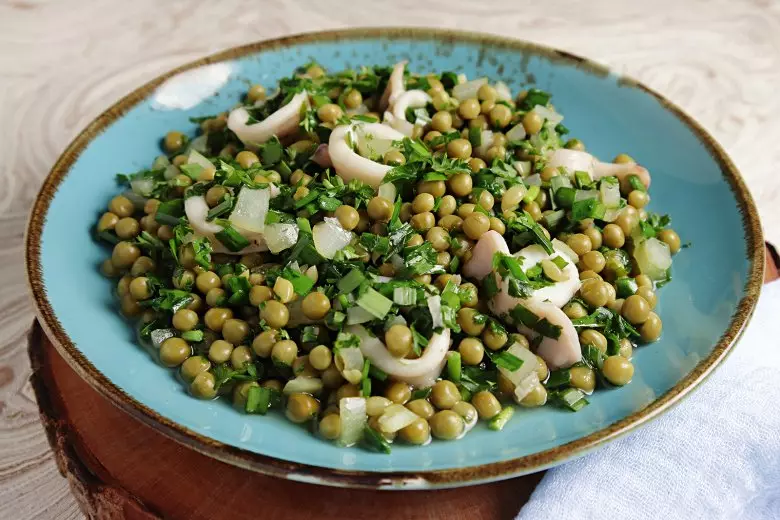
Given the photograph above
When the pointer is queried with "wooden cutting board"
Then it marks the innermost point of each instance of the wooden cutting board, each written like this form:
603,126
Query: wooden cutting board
120,468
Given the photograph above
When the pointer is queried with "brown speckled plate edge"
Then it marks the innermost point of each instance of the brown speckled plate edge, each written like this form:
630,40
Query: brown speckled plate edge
388,480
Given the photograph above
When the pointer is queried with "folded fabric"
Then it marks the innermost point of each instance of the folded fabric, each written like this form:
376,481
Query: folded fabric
715,455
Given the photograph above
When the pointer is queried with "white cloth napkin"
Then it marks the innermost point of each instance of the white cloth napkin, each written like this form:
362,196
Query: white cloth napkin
716,455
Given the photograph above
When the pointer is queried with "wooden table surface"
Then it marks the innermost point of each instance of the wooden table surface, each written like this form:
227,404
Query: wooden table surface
62,63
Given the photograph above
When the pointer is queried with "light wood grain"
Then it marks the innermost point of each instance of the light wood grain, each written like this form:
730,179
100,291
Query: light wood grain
62,63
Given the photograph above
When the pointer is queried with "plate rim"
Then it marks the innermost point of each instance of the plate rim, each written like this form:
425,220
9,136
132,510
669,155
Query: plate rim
423,479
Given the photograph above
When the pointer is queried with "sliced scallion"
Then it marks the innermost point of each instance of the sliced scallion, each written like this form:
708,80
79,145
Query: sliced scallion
498,422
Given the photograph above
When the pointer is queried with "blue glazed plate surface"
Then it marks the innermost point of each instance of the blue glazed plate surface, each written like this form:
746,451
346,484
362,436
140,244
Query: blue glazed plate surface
716,281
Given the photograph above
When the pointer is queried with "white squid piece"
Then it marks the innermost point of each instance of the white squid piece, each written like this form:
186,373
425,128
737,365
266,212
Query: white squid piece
395,86
481,262
197,209
562,352
351,165
409,99
281,123
544,302
574,160
557,353
421,372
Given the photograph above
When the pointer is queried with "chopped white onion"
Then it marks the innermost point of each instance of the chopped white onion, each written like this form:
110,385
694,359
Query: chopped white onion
534,180
352,412
653,258
330,237
306,385
171,171
357,315
502,89
463,91
610,194
279,237
525,387
142,186
157,336
200,144
611,214
434,307
486,141
395,418
197,158
522,167
251,209
516,133
349,362
387,191
551,116
160,162
585,195
530,364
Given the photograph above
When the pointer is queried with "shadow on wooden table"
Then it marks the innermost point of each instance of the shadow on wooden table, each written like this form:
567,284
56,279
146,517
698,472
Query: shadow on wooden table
120,468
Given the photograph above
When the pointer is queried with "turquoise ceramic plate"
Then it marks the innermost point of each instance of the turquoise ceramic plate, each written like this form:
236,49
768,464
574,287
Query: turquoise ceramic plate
716,282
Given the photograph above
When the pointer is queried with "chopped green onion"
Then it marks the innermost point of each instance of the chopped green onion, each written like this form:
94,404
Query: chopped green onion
304,225
506,360
581,179
365,380
625,287
475,136
559,378
454,367
553,218
377,373
192,170
571,398
547,329
498,422
193,336
560,262
107,236
564,196
421,393
301,283
404,296
522,314
220,209
376,440
169,212
232,239
310,197
532,193
373,302
351,281
587,208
